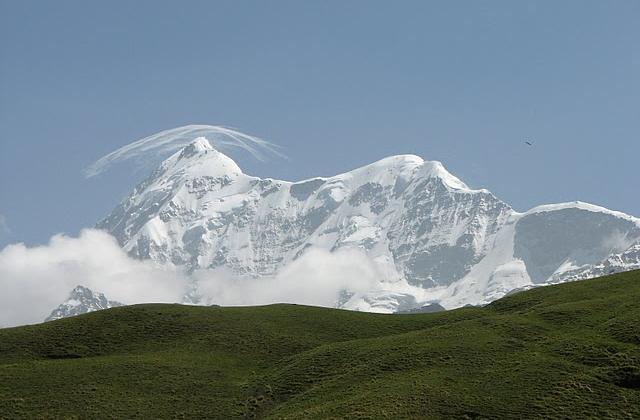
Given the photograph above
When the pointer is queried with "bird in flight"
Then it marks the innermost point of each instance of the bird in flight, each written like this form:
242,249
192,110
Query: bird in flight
528,143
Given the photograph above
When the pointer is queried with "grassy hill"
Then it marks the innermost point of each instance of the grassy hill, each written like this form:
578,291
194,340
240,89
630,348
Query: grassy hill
568,351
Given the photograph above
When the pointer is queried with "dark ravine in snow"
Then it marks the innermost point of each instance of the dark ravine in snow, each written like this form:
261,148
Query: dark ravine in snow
432,238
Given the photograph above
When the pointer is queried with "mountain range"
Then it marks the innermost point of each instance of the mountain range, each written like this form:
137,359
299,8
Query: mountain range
432,239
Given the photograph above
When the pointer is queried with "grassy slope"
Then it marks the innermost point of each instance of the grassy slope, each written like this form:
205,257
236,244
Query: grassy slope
571,350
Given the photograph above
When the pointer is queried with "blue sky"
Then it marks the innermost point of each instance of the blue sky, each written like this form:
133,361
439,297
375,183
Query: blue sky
337,84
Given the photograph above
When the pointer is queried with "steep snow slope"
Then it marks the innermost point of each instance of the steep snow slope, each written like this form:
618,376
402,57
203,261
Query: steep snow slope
433,238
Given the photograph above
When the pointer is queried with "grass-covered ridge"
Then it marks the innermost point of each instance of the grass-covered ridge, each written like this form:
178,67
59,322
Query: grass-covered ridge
571,350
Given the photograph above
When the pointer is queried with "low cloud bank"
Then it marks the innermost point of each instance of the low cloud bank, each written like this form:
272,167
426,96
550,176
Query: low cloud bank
35,280
316,278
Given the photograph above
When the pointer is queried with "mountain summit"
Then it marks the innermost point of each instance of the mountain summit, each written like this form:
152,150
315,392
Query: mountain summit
432,238
81,301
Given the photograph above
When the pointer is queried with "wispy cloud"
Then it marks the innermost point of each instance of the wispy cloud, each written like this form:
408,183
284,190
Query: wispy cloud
158,146
5,230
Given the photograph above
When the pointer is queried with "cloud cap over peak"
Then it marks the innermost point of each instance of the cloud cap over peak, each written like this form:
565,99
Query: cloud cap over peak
164,143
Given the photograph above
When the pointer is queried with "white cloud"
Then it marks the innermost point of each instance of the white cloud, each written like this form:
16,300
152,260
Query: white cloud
316,278
34,281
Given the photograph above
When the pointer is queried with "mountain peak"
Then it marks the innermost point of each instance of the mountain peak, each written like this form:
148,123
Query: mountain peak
198,158
81,300
197,146
436,169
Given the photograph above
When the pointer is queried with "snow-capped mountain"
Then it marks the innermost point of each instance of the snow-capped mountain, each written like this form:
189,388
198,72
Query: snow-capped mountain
432,238
81,300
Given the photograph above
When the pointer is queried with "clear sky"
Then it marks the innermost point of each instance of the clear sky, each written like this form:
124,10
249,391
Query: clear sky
337,84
